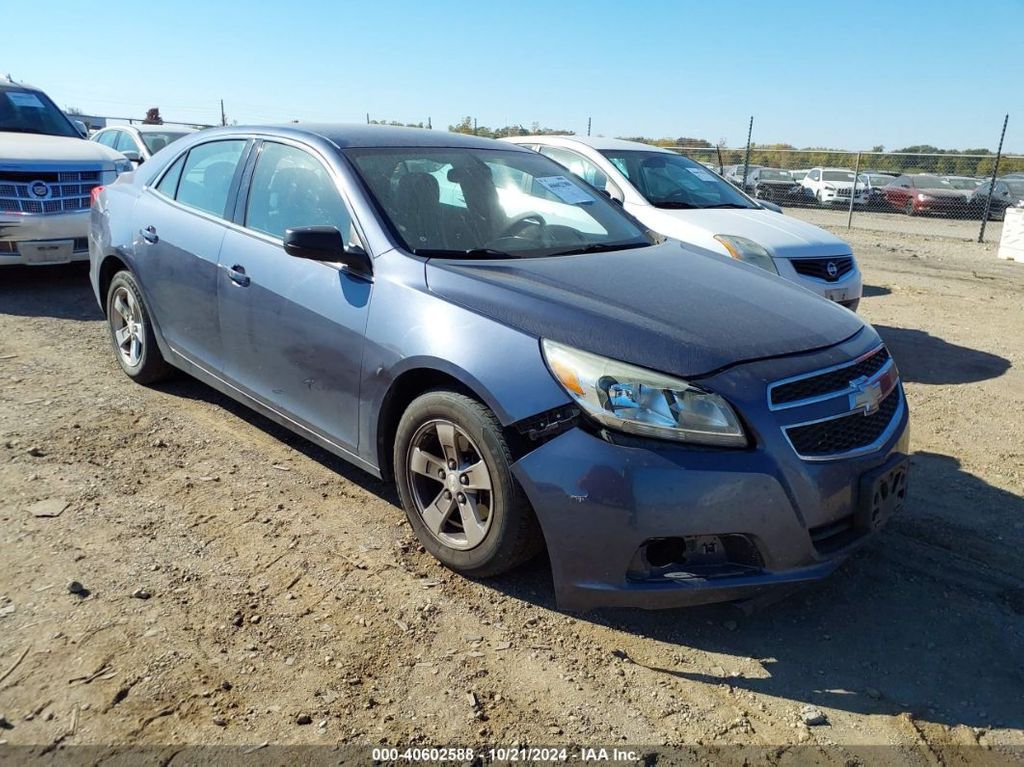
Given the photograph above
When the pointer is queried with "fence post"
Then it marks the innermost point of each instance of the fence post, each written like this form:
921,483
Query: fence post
853,192
746,157
992,183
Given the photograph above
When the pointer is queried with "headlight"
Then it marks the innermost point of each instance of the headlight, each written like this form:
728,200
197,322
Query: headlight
922,197
123,166
830,187
632,399
748,251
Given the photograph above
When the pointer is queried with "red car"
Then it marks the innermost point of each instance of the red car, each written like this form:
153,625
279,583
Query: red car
924,193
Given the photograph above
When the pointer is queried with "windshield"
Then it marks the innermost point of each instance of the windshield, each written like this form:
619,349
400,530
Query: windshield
798,174
878,179
930,182
157,140
770,174
454,201
1016,187
27,111
671,181
962,183
837,175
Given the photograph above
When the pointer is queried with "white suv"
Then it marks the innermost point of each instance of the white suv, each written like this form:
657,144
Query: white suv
47,174
831,186
680,198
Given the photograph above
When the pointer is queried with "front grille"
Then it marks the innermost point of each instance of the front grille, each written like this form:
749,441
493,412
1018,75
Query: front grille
833,381
67,191
846,433
818,267
842,192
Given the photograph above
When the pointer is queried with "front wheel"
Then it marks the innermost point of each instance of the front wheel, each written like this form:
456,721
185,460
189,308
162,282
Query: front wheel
131,331
453,471
909,208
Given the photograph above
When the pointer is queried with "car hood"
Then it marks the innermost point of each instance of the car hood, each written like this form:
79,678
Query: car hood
782,236
663,307
21,148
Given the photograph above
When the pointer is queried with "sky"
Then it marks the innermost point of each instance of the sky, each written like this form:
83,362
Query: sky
844,75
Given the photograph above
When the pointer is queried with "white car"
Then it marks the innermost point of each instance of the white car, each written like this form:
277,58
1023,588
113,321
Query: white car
48,173
680,198
139,142
831,186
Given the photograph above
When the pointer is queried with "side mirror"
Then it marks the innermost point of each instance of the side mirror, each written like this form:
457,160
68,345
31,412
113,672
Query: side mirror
133,155
81,128
324,243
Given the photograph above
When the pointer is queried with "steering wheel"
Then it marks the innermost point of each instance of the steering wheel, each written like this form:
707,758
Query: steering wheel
513,229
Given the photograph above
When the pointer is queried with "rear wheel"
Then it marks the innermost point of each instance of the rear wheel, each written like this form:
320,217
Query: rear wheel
453,471
131,331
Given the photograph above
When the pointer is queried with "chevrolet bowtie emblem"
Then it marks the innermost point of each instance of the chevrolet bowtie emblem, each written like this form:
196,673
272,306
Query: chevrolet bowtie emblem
866,396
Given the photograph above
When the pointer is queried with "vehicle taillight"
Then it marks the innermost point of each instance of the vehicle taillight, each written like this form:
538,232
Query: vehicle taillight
94,194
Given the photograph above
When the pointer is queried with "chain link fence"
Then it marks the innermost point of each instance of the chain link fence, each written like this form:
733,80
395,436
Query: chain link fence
935,193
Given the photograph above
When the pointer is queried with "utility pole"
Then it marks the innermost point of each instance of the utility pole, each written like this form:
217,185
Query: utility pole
588,126
367,118
429,125
223,117
474,126
992,183
746,157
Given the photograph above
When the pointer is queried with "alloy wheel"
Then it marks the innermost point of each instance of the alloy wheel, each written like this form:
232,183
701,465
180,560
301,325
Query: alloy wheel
451,484
126,323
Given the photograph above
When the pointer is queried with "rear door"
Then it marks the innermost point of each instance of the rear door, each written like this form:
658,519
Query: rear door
179,226
293,328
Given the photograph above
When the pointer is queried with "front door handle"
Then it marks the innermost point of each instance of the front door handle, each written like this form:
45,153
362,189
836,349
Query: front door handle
149,234
238,276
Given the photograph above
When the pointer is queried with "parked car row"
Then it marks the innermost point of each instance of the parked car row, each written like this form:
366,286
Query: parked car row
589,346
913,194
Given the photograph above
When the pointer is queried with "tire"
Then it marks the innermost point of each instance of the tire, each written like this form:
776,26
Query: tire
136,350
909,208
817,196
483,547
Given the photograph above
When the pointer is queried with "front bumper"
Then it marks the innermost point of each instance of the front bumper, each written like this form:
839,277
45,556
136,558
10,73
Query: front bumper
600,503
846,290
39,239
833,197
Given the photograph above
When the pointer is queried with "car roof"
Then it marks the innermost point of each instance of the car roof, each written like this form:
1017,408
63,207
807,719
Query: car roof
6,81
358,135
594,142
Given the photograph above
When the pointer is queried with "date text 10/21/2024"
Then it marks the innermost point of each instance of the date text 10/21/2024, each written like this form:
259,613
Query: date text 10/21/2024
505,754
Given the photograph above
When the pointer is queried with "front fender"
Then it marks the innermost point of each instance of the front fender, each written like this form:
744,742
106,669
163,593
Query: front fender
409,328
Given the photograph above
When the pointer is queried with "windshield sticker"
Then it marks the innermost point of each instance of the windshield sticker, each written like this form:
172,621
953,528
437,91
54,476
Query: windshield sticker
21,100
565,190
702,174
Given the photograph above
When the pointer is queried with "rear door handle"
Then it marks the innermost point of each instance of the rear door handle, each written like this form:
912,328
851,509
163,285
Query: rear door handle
149,234
238,276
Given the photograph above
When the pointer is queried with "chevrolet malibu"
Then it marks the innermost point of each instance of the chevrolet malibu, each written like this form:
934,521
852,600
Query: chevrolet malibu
531,366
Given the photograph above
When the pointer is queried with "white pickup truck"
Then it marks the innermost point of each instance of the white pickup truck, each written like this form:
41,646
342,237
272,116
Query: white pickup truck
47,174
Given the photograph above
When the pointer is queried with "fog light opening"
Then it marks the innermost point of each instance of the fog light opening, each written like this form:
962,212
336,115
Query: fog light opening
666,551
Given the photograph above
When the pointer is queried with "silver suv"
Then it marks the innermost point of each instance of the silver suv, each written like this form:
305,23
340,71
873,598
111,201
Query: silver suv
47,175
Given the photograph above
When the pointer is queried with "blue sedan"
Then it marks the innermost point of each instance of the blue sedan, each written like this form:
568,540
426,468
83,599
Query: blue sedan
532,367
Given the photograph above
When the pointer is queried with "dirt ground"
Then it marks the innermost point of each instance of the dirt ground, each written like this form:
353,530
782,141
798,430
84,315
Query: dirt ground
288,602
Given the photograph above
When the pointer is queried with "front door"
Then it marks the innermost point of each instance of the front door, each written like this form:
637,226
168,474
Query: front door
293,328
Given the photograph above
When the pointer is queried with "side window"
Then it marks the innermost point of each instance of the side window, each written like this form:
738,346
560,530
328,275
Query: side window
815,175
577,164
107,138
125,142
169,183
207,174
291,188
